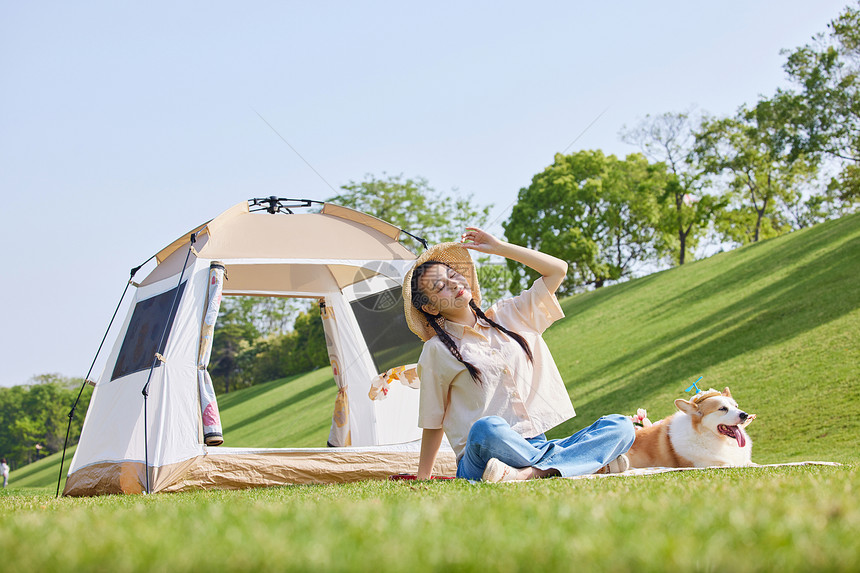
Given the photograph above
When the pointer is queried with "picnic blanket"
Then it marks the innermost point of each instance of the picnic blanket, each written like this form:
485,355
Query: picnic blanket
652,471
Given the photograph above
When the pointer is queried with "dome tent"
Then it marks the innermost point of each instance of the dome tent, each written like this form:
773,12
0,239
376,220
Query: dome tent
153,422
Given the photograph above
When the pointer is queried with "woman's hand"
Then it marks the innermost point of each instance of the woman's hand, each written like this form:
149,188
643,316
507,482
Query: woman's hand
552,270
478,240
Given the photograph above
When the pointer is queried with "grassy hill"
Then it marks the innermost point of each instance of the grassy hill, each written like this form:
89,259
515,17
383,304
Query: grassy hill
778,322
292,412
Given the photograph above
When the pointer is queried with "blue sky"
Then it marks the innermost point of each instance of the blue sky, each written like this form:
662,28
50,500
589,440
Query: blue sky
123,125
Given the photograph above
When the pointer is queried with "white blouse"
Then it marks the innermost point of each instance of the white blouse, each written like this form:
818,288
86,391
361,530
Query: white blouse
532,398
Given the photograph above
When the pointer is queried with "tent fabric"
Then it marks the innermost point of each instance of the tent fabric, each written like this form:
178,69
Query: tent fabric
383,227
339,233
339,434
204,229
210,417
328,256
241,468
113,429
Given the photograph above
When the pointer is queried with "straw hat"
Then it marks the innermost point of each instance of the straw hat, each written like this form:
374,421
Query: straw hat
456,257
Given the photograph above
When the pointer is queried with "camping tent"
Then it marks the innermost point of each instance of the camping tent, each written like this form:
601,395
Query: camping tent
153,422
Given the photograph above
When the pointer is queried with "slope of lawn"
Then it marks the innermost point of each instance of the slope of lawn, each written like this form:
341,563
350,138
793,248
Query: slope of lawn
291,412
43,473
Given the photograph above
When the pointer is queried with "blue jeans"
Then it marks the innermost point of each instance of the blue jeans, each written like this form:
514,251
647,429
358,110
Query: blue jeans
583,453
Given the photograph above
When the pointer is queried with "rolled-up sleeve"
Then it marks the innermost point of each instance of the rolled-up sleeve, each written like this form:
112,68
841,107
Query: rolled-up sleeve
536,308
434,383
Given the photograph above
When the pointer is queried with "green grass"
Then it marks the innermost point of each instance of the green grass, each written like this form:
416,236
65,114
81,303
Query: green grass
291,412
784,519
43,473
778,322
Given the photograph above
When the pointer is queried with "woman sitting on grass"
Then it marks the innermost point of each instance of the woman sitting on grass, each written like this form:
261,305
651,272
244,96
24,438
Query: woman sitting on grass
488,381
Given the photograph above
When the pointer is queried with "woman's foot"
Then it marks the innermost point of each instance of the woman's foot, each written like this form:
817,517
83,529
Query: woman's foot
617,466
498,471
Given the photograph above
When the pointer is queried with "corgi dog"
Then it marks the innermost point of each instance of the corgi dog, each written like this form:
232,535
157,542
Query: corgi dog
707,431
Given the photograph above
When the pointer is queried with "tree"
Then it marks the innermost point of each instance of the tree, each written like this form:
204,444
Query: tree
414,206
494,278
765,171
598,213
243,322
685,207
229,341
34,417
280,355
11,412
310,349
826,114
827,71
269,314
259,316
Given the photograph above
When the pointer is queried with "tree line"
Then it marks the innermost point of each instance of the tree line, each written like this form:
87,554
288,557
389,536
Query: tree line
787,161
34,417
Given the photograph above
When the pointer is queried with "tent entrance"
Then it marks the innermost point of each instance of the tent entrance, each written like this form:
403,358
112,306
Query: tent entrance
365,334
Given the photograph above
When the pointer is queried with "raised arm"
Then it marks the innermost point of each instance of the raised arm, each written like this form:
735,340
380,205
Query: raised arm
551,268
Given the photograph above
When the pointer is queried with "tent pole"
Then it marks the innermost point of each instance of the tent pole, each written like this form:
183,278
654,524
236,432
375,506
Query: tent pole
421,240
155,360
87,377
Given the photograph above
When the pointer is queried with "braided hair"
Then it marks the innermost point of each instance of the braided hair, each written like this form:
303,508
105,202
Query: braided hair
520,340
419,299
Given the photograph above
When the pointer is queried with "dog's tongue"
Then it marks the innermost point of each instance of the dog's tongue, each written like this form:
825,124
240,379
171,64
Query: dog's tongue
740,437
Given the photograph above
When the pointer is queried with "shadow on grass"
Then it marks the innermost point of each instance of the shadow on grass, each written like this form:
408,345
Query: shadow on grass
241,395
586,302
29,470
278,408
756,261
821,287
312,430
43,473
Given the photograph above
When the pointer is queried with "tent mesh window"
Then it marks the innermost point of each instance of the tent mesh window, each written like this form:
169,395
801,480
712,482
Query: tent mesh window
145,331
383,326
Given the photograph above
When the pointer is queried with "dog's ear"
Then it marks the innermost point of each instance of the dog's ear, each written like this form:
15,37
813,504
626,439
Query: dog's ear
685,406
726,392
